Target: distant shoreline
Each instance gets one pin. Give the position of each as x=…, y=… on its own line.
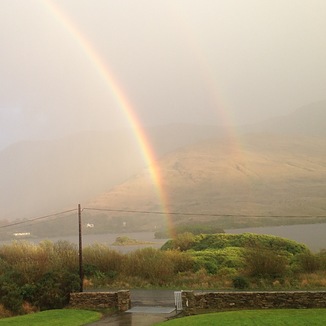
x=312, y=235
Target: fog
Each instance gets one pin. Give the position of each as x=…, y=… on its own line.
x=204, y=62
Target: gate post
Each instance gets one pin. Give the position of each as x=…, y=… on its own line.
x=178, y=300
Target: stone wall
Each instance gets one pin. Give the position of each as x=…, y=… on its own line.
x=214, y=301
x=119, y=300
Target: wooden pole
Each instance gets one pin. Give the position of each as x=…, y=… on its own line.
x=81, y=272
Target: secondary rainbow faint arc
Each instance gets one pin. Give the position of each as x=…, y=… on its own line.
x=121, y=99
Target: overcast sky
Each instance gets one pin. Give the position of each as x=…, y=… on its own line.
x=205, y=61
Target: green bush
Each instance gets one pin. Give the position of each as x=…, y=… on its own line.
x=231, y=257
x=100, y=257
x=322, y=259
x=240, y=282
x=205, y=260
x=43, y=275
x=66, y=256
x=53, y=290
x=265, y=263
x=30, y=260
x=151, y=264
x=308, y=262
x=10, y=293
x=168, y=245
x=215, y=260
x=184, y=241
x=248, y=240
x=182, y=261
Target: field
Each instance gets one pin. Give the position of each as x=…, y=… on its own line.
x=273, y=317
x=68, y=317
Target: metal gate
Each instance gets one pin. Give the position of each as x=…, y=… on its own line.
x=178, y=300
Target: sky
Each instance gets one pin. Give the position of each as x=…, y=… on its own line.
x=72, y=65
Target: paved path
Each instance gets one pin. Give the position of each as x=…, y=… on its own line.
x=164, y=298
x=141, y=314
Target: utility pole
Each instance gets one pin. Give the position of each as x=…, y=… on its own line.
x=81, y=272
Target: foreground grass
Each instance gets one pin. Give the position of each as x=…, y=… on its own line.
x=67, y=317
x=279, y=317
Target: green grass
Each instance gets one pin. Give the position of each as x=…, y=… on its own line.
x=67, y=317
x=279, y=317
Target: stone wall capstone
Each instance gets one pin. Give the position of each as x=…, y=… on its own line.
x=119, y=300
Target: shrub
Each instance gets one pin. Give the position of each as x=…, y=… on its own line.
x=4, y=313
x=215, y=260
x=265, y=263
x=30, y=260
x=151, y=264
x=182, y=261
x=322, y=259
x=231, y=257
x=227, y=272
x=66, y=256
x=10, y=294
x=205, y=260
x=100, y=257
x=249, y=240
x=53, y=290
x=240, y=282
x=99, y=279
x=308, y=262
x=168, y=245
x=41, y=275
x=182, y=242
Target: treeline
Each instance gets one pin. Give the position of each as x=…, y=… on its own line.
x=39, y=277
x=191, y=228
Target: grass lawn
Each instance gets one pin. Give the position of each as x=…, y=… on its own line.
x=59, y=317
x=279, y=317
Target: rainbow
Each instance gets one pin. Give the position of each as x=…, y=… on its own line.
x=121, y=98
x=192, y=40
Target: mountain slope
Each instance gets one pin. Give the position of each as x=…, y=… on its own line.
x=308, y=120
x=39, y=177
x=263, y=174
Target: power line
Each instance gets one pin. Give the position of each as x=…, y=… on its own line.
x=37, y=218
x=161, y=213
x=198, y=214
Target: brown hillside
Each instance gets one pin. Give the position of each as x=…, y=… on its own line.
x=258, y=174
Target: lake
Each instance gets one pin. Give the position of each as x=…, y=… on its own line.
x=312, y=235
x=106, y=239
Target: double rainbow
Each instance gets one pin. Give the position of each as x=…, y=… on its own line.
x=121, y=98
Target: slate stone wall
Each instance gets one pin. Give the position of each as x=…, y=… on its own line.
x=119, y=300
x=214, y=301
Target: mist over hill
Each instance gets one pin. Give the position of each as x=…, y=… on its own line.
x=40, y=177
x=265, y=175
x=258, y=173
x=307, y=120
x=276, y=167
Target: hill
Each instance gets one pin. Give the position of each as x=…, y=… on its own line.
x=308, y=120
x=39, y=177
x=256, y=175
x=202, y=169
